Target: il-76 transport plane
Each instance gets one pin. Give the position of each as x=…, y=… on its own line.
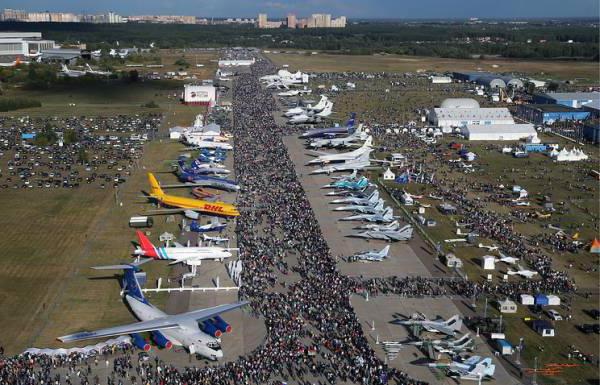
x=198, y=330
x=183, y=203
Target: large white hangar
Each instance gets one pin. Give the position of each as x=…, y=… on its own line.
x=463, y=112
x=199, y=95
x=497, y=132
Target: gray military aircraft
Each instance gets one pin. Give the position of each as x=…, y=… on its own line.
x=403, y=234
x=386, y=216
x=373, y=255
x=372, y=198
x=449, y=327
x=374, y=208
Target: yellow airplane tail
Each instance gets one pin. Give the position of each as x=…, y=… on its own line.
x=155, y=189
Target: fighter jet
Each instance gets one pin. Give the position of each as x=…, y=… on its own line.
x=372, y=198
x=323, y=157
x=507, y=259
x=214, y=225
x=359, y=163
x=377, y=227
x=373, y=255
x=352, y=176
x=349, y=140
x=303, y=118
x=386, y=216
x=525, y=273
x=345, y=184
x=473, y=369
x=403, y=234
x=365, y=209
x=449, y=327
x=490, y=248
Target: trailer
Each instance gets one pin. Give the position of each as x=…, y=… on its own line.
x=140, y=222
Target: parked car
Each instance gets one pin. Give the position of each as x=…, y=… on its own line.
x=554, y=315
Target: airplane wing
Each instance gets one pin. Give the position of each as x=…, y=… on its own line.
x=168, y=322
x=439, y=328
x=177, y=244
x=317, y=153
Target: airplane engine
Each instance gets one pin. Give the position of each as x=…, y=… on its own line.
x=161, y=340
x=221, y=324
x=140, y=343
x=211, y=329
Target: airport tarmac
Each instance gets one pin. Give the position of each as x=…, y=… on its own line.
x=402, y=262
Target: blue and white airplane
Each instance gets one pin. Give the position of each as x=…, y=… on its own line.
x=198, y=331
x=214, y=225
x=331, y=132
x=200, y=168
x=193, y=179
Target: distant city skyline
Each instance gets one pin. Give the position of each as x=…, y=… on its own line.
x=382, y=9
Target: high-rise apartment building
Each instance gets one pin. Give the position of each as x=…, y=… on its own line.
x=262, y=20
x=291, y=20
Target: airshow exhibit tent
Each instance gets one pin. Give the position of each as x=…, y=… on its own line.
x=549, y=113
x=507, y=306
x=527, y=299
x=544, y=328
x=236, y=63
x=489, y=79
x=489, y=262
x=553, y=300
x=504, y=347
x=441, y=79
x=459, y=103
x=512, y=132
x=199, y=95
x=389, y=175
x=541, y=299
x=569, y=99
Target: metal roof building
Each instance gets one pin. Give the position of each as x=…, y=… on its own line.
x=549, y=113
x=569, y=99
x=446, y=118
x=489, y=79
x=497, y=132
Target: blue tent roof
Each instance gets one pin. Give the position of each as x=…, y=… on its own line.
x=541, y=299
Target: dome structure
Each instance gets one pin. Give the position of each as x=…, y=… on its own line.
x=459, y=103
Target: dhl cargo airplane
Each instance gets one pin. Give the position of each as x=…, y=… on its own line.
x=183, y=203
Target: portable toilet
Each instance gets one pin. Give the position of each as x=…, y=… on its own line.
x=553, y=300
x=541, y=300
x=504, y=347
x=527, y=299
x=489, y=262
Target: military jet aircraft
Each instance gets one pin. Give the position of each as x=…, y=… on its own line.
x=403, y=234
x=386, y=216
x=373, y=255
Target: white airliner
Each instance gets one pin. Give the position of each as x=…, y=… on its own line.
x=71, y=73
x=323, y=157
x=198, y=331
x=91, y=71
x=191, y=256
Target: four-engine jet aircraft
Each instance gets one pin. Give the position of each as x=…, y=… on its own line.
x=198, y=330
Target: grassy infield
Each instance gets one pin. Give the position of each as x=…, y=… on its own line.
x=52, y=237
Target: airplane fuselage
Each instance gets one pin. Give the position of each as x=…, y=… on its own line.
x=188, y=335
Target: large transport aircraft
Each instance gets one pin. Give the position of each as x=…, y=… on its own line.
x=331, y=131
x=184, y=204
x=198, y=331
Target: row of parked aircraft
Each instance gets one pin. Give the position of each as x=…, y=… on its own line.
x=198, y=331
x=473, y=368
x=310, y=114
x=66, y=71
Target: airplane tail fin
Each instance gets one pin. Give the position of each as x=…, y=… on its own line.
x=368, y=142
x=384, y=252
x=147, y=247
x=155, y=189
x=133, y=278
x=454, y=322
x=351, y=121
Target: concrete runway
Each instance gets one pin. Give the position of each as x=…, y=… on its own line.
x=402, y=261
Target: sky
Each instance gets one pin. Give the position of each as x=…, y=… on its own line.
x=397, y=9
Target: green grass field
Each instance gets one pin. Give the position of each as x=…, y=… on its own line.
x=52, y=237
x=587, y=72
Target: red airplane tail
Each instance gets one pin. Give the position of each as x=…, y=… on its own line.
x=147, y=246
